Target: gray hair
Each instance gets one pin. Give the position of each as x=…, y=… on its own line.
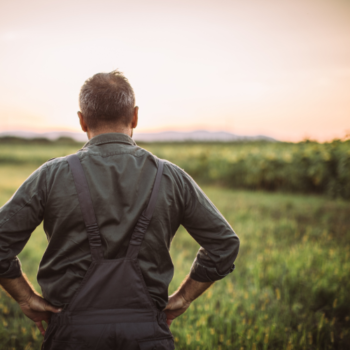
x=107, y=99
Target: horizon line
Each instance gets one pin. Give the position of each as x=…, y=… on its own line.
x=159, y=131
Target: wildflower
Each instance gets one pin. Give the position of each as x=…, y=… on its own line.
x=321, y=322
x=278, y=294
x=34, y=336
x=310, y=338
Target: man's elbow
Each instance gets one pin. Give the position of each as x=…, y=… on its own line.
x=234, y=248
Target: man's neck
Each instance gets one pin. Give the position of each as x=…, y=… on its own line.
x=121, y=130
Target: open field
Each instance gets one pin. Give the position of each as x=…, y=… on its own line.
x=290, y=289
x=306, y=167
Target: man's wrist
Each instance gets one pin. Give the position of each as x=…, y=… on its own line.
x=19, y=288
x=184, y=296
x=25, y=298
x=191, y=289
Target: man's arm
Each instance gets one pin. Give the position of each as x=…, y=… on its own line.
x=219, y=244
x=18, y=219
x=183, y=297
x=218, y=251
x=32, y=304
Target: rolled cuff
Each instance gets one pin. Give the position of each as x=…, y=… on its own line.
x=10, y=268
x=201, y=273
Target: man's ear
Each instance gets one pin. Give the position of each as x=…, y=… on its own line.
x=82, y=122
x=135, y=118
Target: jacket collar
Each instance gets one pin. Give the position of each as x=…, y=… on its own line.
x=111, y=137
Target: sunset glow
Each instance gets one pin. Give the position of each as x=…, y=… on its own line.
x=279, y=68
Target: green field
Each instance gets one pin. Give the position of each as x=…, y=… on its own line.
x=305, y=167
x=290, y=288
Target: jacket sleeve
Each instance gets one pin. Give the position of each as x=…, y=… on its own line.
x=219, y=243
x=18, y=219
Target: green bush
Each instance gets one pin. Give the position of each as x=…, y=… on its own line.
x=306, y=167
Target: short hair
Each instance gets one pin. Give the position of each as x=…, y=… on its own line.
x=105, y=99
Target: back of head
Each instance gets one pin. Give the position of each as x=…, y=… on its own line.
x=107, y=99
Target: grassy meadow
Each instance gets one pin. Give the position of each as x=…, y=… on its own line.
x=291, y=285
x=305, y=167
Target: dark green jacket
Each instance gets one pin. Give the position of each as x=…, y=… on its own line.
x=120, y=176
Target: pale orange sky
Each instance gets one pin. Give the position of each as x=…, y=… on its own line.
x=280, y=68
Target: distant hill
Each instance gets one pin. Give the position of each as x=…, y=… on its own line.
x=165, y=136
x=52, y=136
x=198, y=135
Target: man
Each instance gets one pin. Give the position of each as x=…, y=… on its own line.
x=110, y=212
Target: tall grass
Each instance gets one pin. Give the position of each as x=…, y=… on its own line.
x=290, y=288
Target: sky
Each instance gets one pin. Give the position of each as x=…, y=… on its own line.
x=279, y=68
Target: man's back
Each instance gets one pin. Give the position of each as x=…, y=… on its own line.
x=120, y=176
x=91, y=204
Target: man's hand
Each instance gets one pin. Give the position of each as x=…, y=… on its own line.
x=180, y=301
x=38, y=310
x=176, y=306
x=33, y=305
